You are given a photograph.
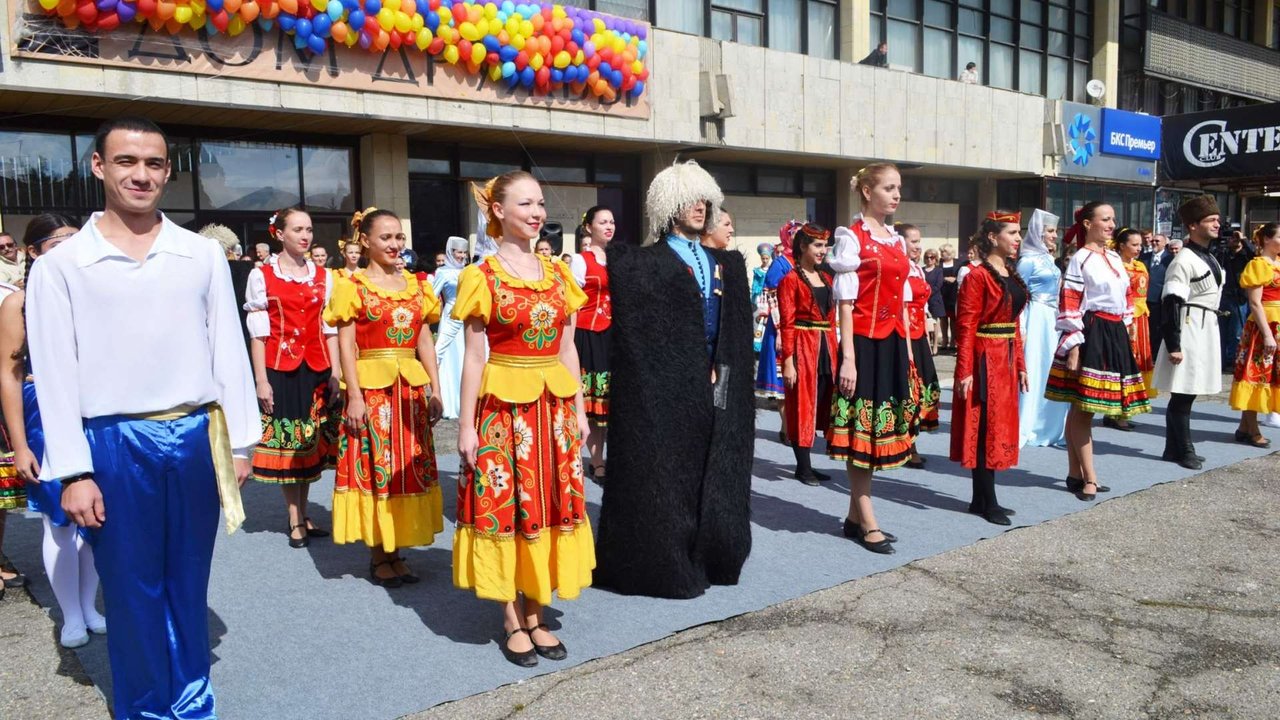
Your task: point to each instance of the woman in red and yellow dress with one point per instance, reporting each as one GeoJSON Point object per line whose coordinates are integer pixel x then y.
{"type": "Point", "coordinates": [807, 317]}
{"type": "Point", "coordinates": [1128, 245]}
{"type": "Point", "coordinates": [990, 370]}
{"type": "Point", "coordinates": [1257, 373]}
{"type": "Point", "coordinates": [386, 492]}
{"type": "Point", "coordinates": [523, 532]}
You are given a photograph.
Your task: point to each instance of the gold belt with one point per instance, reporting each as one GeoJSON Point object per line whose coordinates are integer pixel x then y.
{"type": "Point", "coordinates": [807, 325]}
{"type": "Point", "coordinates": [224, 469]}
{"type": "Point", "coordinates": [523, 361]}
{"type": "Point", "coordinates": [385, 353]}
{"type": "Point", "coordinates": [1271, 303]}
{"type": "Point", "coordinates": [996, 330]}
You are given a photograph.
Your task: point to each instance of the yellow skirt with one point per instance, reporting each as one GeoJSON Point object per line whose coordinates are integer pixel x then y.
{"type": "Point", "coordinates": [499, 567]}
{"type": "Point", "coordinates": [392, 522]}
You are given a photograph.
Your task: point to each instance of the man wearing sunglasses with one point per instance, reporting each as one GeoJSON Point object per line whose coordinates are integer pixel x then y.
{"type": "Point", "coordinates": [12, 268]}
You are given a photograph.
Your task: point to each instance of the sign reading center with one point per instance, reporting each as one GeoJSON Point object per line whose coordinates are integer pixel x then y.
{"type": "Point", "coordinates": [1130, 134]}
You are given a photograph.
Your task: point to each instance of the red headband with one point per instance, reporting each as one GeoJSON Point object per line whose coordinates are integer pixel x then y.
{"type": "Point", "coordinates": [1015, 218]}
{"type": "Point", "coordinates": [1076, 231]}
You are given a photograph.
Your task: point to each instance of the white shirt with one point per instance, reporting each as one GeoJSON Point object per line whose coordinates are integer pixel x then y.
{"type": "Point", "coordinates": [1094, 282]}
{"type": "Point", "coordinates": [846, 258]}
{"type": "Point", "coordinates": [257, 320]}
{"type": "Point", "coordinates": [111, 336]}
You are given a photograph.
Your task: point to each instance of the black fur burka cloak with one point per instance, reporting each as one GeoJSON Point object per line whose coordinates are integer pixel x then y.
{"type": "Point", "coordinates": [676, 511]}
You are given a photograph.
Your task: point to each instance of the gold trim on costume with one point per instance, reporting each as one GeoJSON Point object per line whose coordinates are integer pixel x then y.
{"type": "Point", "coordinates": [996, 330]}
{"type": "Point", "coordinates": [521, 361]}
{"type": "Point", "coordinates": [384, 353]}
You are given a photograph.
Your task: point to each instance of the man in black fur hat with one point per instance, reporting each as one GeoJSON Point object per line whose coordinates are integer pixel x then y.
{"type": "Point", "coordinates": [676, 512]}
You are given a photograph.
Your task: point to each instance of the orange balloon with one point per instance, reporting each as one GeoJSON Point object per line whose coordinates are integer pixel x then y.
{"type": "Point", "coordinates": [270, 11]}
{"type": "Point", "coordinates": [173, 26]}
{"type": "Point", "coordinates": [382, 40]}
{"type": "Point", "coordinates": [165, 10]}
{"type": "Point", "coordinates": [339, 31]}
{"type": "Point", "coordinates": [544, 45]}
{"type": "Point", "coordinates": [231, 6]}
{"type": "Point", "coordinates": [504, 38]}
{"type": "Point", "coordinates": [249, 11]}
{"type": "Point", "coordinates": [537, 22]}
{"type": "Point", "coordinates": [289, 6]}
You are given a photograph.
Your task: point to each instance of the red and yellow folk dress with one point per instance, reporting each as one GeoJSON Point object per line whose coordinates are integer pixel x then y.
{"type": "Point", "coordinates": [387, 490]}
{"type": "Point", "coordinates": [1140, 280]}
{"type": "Point", "coordinates": [1257, 374]}
{"type": "Point", "coordinates": [522, 515]}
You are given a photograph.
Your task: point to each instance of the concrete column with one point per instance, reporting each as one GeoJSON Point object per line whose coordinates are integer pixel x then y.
{"type": "Point", "coordinates": [384, 175]}
{"type": "Point", "coordinates": [855, 29]}
{"type": "Point", "coordinates": [848, 203]}
{"type": "Point", "coordinates": [1106, 46]}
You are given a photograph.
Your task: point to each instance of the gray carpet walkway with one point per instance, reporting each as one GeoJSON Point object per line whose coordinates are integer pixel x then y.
{"type": "Point", "coordinates": [303, 633]}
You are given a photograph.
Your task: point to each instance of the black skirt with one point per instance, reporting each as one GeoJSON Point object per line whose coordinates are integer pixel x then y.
{"type": "Point", "coordinates": [299, 437]}
{"type": "Point", "coordinates": [1108, 381]}
{"type": "Point", "coordinates": [929, 392]}
{"type": "Point", "coordinates": [873, 429]}
{"type": "Point", "coordinates": [593, 363]}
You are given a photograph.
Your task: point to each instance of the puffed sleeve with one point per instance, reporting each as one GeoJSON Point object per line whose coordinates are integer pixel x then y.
{"type": "Point", "coordinates": [257, 320]}
{"type": "Point", "coordinates": [344, 302]}
{"type": "Point", "coordinates": [1070, 324]}
{"type": "Point", "coordinates": [474, 299]}
{"type": "Point", "coordinates": [574, 297]}
{"type": "Point", "coordinates": [579, 268]}
{"type": "Point", "coordinates": [431, 304]}
{"type": "Point", "coordinates": [1257, 273]}
{"type": "Point", "coordinates": [329, 276]}
{"type": "Point", "coordinates": [844, 259]}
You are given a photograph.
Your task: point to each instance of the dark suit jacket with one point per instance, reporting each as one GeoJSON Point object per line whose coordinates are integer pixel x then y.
{"type": "Point", "coordinates": [1156, 289]}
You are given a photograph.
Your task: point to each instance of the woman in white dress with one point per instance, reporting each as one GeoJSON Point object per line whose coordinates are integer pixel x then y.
{"type": "Point", "coordinates": [449, 347]}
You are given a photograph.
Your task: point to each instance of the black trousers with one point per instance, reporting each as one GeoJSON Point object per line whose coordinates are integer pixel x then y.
{"type": "Point", "coordinates": [984, 478]}
{"type": "Point", "coordinates": [1155, 326]}
{"type": "Point", "coordinates": [1177, 418]}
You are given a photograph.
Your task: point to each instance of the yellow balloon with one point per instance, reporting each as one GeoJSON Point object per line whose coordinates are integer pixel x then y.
{"type": "Point", "coordinates": [495, 26]}
{"type": "Point", "coordinates": [320, 5]}
{"type": "Point", "coordinates": [468, 32]}
{"type": "Point", "coordinates": [557, 11]}
{"type": "Point", "coordinates": [197, 7]}
{"type": "Point", "coordinates": [517, 42]}
{"type": "Point", "coordinates": [418, 23]}
{"type": "Point", "coordinates": [423, 39]}
{"type": "Point", "coordinates": [526, 28]}
{"type": "Point", "coordinates": [451, 54]}
{"type": "Point", "coordinates": [619, 45]}
{"type": "Point", "coordinates": [478, 51]}
{"type": "Point", "coordinates": [513, 26]}
{"type": "Point", "coordinates": [445, 15]}
{"type": "Point", "coordinates": [579, 58]}
{"type": "Point", "coordinates": [637, 67]}
{"type": "Point", "coordinates": [403, 23]}
{"type": "Point", "coordinates": [235, 26]}
{"type": "Point", "coordinates": [48, 4]}
{"type": "Point", "coordinates": [392, 5]}
{"type": "Point", "coordinates": [198, 22]}
{"type": "Point", "coordinates": [182, 14]}
{"type": "Point", "coordinates": [536, 61]}
{"type": "Point", "coordinates": [490, 11]}
{"type": "Point", "coordinates": [495, 72]}
{"type": "Point", "coordinates": [599, 25]}
{"type": "Point", "coordinates": [386, 19]}
{"type": "Point", "coordinates": [562, 60]}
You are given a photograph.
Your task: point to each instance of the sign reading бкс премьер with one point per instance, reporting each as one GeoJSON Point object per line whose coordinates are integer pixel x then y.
{"type": "Point", "coordinates": [535, 54]}
{"type": "Point", "coordinates": [1130, 134]}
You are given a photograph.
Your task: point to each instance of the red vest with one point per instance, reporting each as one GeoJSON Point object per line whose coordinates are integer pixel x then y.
{"type": "Point", "coordinates": [881, 273]}
{"type": "Point", "coordinates": [597, 314]}
{"type": "Point", "coordinates": [920, 292]}
{"type": "Point", "coordinates": [296, 331]}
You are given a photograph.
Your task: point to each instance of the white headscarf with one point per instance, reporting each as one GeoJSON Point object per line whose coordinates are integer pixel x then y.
{"type": "Point", "coordinates": [1033, 243]}
{"type": "Point", "coordinates": [456, 243]}
{"type": "Point", "coordinates": [485, 245]}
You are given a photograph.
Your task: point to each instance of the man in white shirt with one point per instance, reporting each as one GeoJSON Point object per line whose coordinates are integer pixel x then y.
{"type": "Point", "coordinates": [970, 74]}
{"type": "Point", "coordinates": [134, 327]}
{"type": "Point", "coordinates": [12, 269]}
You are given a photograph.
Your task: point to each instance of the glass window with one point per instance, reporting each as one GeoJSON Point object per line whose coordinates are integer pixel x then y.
{"type": "Point", "coordinates": [756, 6]}
{"type": "Point", "coordinates": [1001, 30]}
{"type": "Point", "coordinates": [1058, 18]}
{"type": "Point", "coordinates": [904, 44]}
{"type": "Point", "coordinates": [969, 21]}
{"type": "Point", "coordinates": [326, 177]}
{"type": "Point", "coordinates": [1080, 80]}
{"type": "Point", "coordinates": [970, 49]}
{"type": "Point", "coordinates": [425, 166]}
{"type": "Point", "coordinates": [722, 25]}
{"type": "Point", "coordinates": [634, 9]}
{"type": "Point", "coordinates": [905, 9]}
{"type": "Point", "coordinates": [1031, 36]}
{"type": "Point", "coordinates": [822, 28]}
{"type": "Point", "coordinates": [1000, 66]}
{"type": "Point", "coordinates": [179, 192]}
{"type": "Point", "coordinates": [937, 13]}
{"type": "Point", "coordinates": [1029, 66]}
{"type": "Point", "coordinates": [1058, 79]}
{"type": "Point", "coordinates": [732, 178]}
{"type": "Point", "coordinates": [480, 164]}
{"type": "Point", "coordinates": [1032, 11]}
{"type": "Point", "coordinates": [779, 181]}
{"type": "Point", "coordinates": [1002, 7]}
{"type": "Point", "coordinates": [938, 49]}
{"type": "Point", "coordinates": [785, 26]}
{"type": "Point", "coordinates": [240, 175]}
{"type": "Point", "coordinates": [972, 3]}
{"type": "Point", "coordinates": [877, 30]}
{"type": "Point", "coordinates": [36, 171]}
{"type": "Point", "coordinates": [750, 30]}
{"type": "Point", "coordinates": [1058, 43]}
{"type": "Point", "coordinates": [561, 172]}
{"type": "Point", "coordinates": [680, 15]}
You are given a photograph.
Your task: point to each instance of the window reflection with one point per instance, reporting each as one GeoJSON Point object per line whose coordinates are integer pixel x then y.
{"type": "Point", "coordinates": [326, 175]}
{"type": "Point", "coordinates": [248, 176]}
{"type": "Point", "coordinates": [36, 171]}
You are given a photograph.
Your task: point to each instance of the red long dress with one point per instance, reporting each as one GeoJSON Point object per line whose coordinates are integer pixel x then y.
{"type": "Point", "coordinates": [989, 351]}
{"type": "Point", "coordinates": [805, 328]}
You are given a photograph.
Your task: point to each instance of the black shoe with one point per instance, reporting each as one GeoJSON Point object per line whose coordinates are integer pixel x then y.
{"type": "Point", "coordinates": [391, 582]}
{"type": "Point", "coordinates": [596, 473]}
{"type": "Point", "coordinates": [995, 517]}
{"type": "Point", "coordinates": [550, 652]}
{"type": "Point", "coordinates": [915, 463]}
{"type": "Point", "coordinates": [313, 531]}
{"type": "Point", "coordinates": [301, 542]}
{"type": "Point", "coordinates": [822, 477]}
{"type": "Point", "coordinates": [1084, 496]}
{"type": "Point", "coordinates": [973, 509]}
{"type": "Point", "coordinates": [526, 659]}
{"type": "Point", "coordinates": [1114, 424]}
{"type": "Point", "coordinates": [853, 531]}
{"type": "Point", "coordinates": [407, 577]}
{"type": "Point", "coordinates": [883, 547]}
{"type": "Point", "coordinates": [808, 478]}
{"type": "Point", "coordinates": [1190, 461]}
{"type": "Point", "coordinates": [1076, 485]}
{"type": "Point", "coordinates": [1257, 441]}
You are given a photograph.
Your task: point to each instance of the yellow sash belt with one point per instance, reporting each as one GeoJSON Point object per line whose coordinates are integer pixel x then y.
{"type": "Point", "coordinates": [224, 469]}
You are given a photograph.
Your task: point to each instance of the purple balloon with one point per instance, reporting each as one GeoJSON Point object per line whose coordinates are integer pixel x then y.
{"type": "Point", "coordinates": [365, 42]}
{"type": "Point", "coordinates": [106, 5]}
{"type": "Point", "coordinates": [642, 32]}
{"type": "Point", "coordinates": [126, 11]}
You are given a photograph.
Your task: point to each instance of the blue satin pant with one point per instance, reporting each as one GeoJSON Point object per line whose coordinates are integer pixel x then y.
{"type": "Point", "coordinates": [153, 554]}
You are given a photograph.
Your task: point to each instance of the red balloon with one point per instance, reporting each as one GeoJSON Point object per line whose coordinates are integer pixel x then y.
{"type": "Point", "coordinates": [464, 48]}
{"type": "Point", "coordinates": [628, 83]}
{"type": "Point", "coordinates": [220, 20]}
{"type": "Point", "coordinates": [472, 68]}
{"type": "Point", "coordinates": [557, 44]}
{"type": "Point", "coordinates": [572, 48]}
{"type": "Point", "coordinates": [566, 35]}
{"type": "Point", "coordinates": [643, 75]}
{"type": "Point", "coordinates": [146, 8]}
{"type": "Point", "coordinates": [436, 47]}
{"type": "Point", "coordinates": [594, 61]}
{"type": "Point", "coordinates": [543, 78]}
{"type": "Point", "coordinates": [546, 13]}
{"type": "Point", "coordinates": [86, 11]}
{"type": "Point", "coordinates": [492, 58]}
{"type": "Point", "coordinates": [434, 5]}
{"type": "Point", "coordinates": [394, 39]}
{"type": "Point", "coordinates": [522, 60]}
{"type": "Point", "coordinates": [606, 55]}
{"type": "Point", "coordinates": [371, 25]}
{"type": "Point", "coordinates": [108, 22]}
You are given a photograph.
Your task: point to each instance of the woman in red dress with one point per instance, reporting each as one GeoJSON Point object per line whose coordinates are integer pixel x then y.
{"type": "Point", "coordinates": [807, 313]}
{"type": "Point", "coordinates": [924, 377]}
{"type": "Point", "coordinates": [523, 532]}
{"type": "Point", "coordinates": [990, 370]}
{"type": "Point", "coordinates": [592, 336]}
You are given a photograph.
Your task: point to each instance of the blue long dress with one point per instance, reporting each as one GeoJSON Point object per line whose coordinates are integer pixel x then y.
{"type": "Point", "coordinates": [1040, 422]}
{"type": "Point", "coordinates": [768, 382]}
{"type": "Point", "coordinates": [46, 496]}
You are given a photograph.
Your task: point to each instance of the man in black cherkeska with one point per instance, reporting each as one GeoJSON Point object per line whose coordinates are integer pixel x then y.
{"type": "Point", "coordinates": [676, 511]}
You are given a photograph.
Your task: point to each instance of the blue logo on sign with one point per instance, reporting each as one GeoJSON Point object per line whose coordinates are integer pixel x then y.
{"type": "Point", "coordinates": [1130, 134]}
{"type": "Point", "coordinates": [1082, 137]}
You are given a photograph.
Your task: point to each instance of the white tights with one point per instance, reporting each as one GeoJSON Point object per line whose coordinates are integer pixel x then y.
{"type": "Point", "coordinates": [68, 561]}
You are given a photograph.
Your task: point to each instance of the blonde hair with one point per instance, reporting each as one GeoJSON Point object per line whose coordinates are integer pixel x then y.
{"type": "Point", "coordinates": [495, 191]}
{"type": "Point", "coordinates": [870, 176]}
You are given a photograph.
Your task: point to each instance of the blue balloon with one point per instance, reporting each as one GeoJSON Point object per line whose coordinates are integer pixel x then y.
{"type": "Point", "coordinates": [303, 28]}
{"type": "Point", "coordinates": [286, 22]}
{"type": "Point", "coordinates": [557, 75]}
{"type": "Point", "coordinates": [513, 80]}
{"type": "Point", "coordinates": [507, 53]}
{"type": "Point", "coordinates": [643, 49]}
{"type": "Point", "coordinates": [265, 24]}
{"type": "Point", "coordinates": [299, 42]}
{"type": "Point", "coordinates": [508, 7]}
{"type": "Point", "coordinates": [433, 21]}
{"type": "Point", "coordinates": [577, 37]}
{"type": "Point", "coordinates": [320, 25]}
{"type": "Point", "coordinates": [355, 19]}
{"type": "Point", "coordinates": [351, 5]}
{"type": "Point", "coordinates": [371, 7]}
{"type": "Point", "coordinates": [214, 6]}
{"type": "Point", "coordinates": [334, 10]}
{"type": "Point", "coordinates": [615, 78]}
{"type": "Point", "coordinates": [527, 77]}
{"type": "Point", "coordinates": [491, 43]}
{"type": "Point", "coordinates": [605, 69]}
{"type": "Point", "coordinates": [638, 90]}
{"type": "Point", "coordinates": [508, 69]}
{"type": "Point", "coordinates": [317, 44]}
